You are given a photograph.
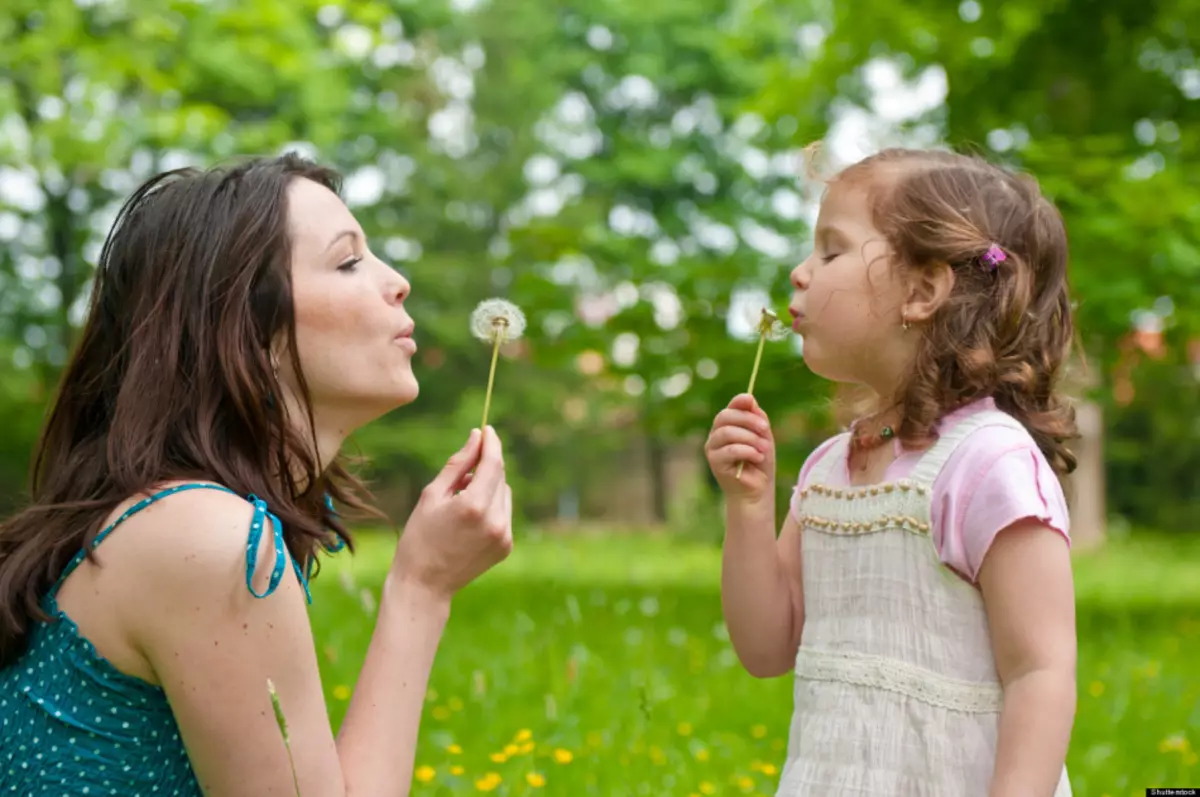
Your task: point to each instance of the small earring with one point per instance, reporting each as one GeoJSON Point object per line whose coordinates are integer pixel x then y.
{"type": "Point", "coordinates": [904, 322]}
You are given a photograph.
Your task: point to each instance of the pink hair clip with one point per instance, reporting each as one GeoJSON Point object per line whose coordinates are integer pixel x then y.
{"type": "Point", "coordinates": [993, 257]}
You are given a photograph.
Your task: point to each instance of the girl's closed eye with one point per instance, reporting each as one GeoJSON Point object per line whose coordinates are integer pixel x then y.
{"type": "Point", "coordinates": [828, 256]}
{"type": "Point", "coordinates": [350, 264]}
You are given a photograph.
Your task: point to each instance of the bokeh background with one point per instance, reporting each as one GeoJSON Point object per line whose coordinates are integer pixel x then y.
{"type": "Point", "coordinates": [629, 173]}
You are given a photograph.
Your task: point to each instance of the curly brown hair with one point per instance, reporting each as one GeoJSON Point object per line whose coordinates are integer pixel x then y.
{"type": "Point", "coordinates": [1003, 334]}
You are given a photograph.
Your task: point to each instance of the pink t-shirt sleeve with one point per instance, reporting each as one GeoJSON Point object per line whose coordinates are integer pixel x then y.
{"type": "Point", "coordinates": [806, 470]}
{"type": "Point", "coordinates": [997, 477]}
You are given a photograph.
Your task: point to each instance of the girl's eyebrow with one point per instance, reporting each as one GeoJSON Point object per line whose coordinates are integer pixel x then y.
{"type": "Point", "coordinates": [825, 232]}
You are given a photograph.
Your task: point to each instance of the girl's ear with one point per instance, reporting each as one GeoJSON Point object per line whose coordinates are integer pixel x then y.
{"type": "Point", "coordinates": [928, 289]}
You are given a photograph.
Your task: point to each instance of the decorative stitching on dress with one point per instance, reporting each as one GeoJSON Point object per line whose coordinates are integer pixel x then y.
{"type": "Point", "coordinates": [865, 510]}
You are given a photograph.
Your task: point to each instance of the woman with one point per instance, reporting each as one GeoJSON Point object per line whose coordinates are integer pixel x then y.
{"type": "Point", "coordinates": [239, 330]}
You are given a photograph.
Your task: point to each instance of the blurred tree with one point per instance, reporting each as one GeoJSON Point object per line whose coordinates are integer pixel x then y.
{"type": "Point", "coordinates": [626, 172]}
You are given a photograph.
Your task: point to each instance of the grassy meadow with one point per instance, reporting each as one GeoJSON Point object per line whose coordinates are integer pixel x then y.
{"type": "Point", "coordinates": [599, 665]}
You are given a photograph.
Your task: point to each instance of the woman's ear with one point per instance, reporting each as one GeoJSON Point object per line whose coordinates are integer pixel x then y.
{"type": "Point", "coordinates": [928, 289]}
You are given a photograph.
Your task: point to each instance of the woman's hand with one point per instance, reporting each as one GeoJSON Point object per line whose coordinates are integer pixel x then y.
{"type": "Point", "coordinates": [462, 525]}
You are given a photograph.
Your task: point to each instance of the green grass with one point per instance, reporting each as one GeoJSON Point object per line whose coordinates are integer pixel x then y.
{"type": "Point", "coordinates": [609, 651]}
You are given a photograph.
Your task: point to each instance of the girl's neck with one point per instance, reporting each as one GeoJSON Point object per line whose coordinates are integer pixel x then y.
{"type": "Point", "coordinates": [872, 440]}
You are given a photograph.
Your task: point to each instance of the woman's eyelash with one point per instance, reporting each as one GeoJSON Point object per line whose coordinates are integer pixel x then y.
{"type": "Point", "coordinates": [350, 264]}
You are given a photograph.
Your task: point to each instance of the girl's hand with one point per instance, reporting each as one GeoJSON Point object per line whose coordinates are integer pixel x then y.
{"type": "Point", "coordinates": [741, 433]}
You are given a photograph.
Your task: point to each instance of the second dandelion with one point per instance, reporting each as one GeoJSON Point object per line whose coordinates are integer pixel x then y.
{"type": "Point", "coordinates": [496, 321]}
{"type": "Point", "coordinates": [769, 328]}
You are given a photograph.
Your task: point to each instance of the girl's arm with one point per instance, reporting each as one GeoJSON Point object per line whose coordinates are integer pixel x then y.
{"type": "Point", "coordinates": [1027, 587]}
{"type": "Point", "coordinates": [761, 593]}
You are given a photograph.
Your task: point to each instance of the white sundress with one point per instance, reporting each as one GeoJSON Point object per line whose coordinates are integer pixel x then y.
{"type": "Point", "coordinates": [896, 691]}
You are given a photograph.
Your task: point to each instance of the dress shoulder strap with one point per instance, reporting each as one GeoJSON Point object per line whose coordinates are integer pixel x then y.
{"type": "Point", "coordinates": [932, 461]}
{"type": "Point", "coordinates": [262, 515]}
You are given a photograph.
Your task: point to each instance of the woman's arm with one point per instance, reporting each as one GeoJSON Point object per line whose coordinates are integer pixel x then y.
{"type": "Point", "coordinates": [1026, 582]}
{"type": "Point", "coordinates": [213, 645]}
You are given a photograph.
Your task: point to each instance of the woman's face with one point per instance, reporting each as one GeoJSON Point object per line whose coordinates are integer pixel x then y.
{"type": "Point", "coordinates": [353, 334]}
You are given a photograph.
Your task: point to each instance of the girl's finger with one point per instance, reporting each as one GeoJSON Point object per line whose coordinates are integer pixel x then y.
{"type": "Point", "coordinates": [733, 435]}
{"type": "Point", "coordinates": [729, 456]}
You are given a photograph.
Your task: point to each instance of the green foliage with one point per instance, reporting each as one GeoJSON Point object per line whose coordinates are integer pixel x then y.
{"type": "Point", "coordinates": [1147, 446]}
{"type": "Point", "coordinates": [621, 170]}
{"type": "Point", "coordinates": [613, 648]}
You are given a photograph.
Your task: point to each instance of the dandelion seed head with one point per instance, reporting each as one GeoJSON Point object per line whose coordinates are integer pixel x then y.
{"type": "Point", "coordinates": [494, 317]}
{"type": "Point", "coordinates": [767, 322]}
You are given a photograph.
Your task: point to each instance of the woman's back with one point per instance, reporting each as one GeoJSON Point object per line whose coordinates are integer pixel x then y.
{"type": "Point", "coordinates": [74, 724]}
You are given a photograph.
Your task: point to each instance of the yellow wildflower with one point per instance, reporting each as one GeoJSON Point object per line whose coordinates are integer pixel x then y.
{"type": "Point", "coordinates": [440, 713]}
{"type": "Point", "coordinates": [425, 773]}
{"type": "Point", "coordinates": [456, 770]}
{"type": "Point", "coordinates": [1176, 743]}
{"type": "Point", "coordinates": [685, 729]}
{"type": "Point", "coordinates": [1096, 688]}
{"type": "Point", "coordinates": [511, 749]}
{"type": "Point", "coordinates": [769, 770]}
{"type": "Point", "coordinates": [563, 756]}
{"type": "Point", "coordinates": [707, 788]}
{"type": "Point", "coordinates": [759, 731]}
{"type": "Point", "coordinates": [341, 692]}
{"type": "Point", "coordinates": [523, 735]}
{"type": "Point", "coordinates": [454, 749]}
{"type": "Point", "coordinates": [499, 758]}
{"type": "Point", "coordinates": [488, 782]}
{"type": "Point", "coordinates": [535, 779]}
{"type": "Point", "coordinates": [701, 754]}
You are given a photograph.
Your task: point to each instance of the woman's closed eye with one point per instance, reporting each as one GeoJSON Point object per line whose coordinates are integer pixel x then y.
{"type": "Point", "coordinates": [350, 264]}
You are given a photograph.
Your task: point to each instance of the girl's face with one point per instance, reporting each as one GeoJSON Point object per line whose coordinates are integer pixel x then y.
{"type": "Point", "coordinates": [849, 298]}
{"type": "Point", "coordinates": [353, 334]}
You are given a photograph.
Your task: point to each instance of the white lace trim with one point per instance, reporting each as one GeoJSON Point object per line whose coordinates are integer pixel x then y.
{"type": "Point", "coordinates": [895, 675]}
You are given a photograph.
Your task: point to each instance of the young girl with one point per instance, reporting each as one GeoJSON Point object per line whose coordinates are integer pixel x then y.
{"type": "Point", "coordinates": [921, 586]}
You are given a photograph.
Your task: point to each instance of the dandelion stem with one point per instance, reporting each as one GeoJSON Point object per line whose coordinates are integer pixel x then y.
{"type": "Point", "coordinates": [762, 338]}
{"type": "Point", "coordinates": [500, 325]}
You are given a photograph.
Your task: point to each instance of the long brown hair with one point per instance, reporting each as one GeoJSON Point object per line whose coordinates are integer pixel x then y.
{"type": "Point", "coordinates": [1002, 334]}
{"type": "Point", "coordinates": [172, 379]}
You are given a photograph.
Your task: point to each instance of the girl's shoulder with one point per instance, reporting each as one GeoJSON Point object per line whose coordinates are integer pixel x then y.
{"type": "Point", "coordinates": [981, 433]}
{"type": "Point", "coordinates": [995, 476]}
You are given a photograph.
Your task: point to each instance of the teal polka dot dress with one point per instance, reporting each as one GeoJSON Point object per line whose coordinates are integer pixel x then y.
{"type": "Point", "coordinates": [72, 724]}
